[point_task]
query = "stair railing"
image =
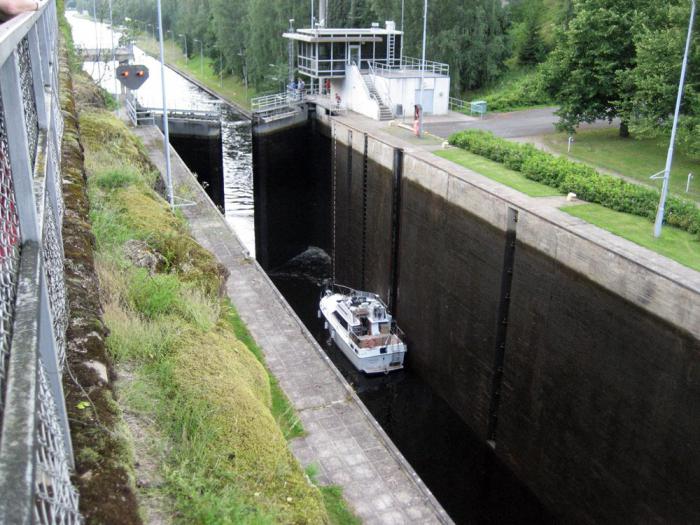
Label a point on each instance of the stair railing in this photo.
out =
(384, 99)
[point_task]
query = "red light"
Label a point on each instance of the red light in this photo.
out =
(125, 73)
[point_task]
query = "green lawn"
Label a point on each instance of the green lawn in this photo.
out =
(675, 244)
(497, 172)
(232, 88)
(633, 158)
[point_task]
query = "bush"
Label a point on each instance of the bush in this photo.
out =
(568, 176)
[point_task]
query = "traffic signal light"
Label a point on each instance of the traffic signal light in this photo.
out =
(132, 77)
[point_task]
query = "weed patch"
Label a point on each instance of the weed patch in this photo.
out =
(198, 374)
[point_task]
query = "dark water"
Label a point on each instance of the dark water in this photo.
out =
(235, 193)
(462, 472)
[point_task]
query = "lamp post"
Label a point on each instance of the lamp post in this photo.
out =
(201, 57)
(245, 71)
(187, 58)
(402, 33)
(221, 66)
(172, 33)
(669, 158)
(166, 130)
(114, 57)
(153, 29)
(422, 67)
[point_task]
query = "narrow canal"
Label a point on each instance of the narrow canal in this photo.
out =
(236, 164)
(462, 472)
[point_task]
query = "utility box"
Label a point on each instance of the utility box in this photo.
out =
(478, 107)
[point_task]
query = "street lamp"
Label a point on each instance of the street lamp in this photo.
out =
(154, 30)
(201, 57)
(166, 130)
(172, 34)
(114, 58)
(422, 67)
(669, 158)
(221, 67)
(403, 34)
(245, 71)
(187, 58)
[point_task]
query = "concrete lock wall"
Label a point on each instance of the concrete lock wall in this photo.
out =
(574, 352)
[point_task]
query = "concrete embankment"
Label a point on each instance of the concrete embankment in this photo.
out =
(343, 439)
(574, 352)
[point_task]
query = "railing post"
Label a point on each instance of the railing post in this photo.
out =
(49, 356)
(39, 82)
(44, 46)
(17, 142)
(17, 446)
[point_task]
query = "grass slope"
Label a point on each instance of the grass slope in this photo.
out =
(634, 158)
(197, 373)
(498, 172)
(673, 243)
(230, 87)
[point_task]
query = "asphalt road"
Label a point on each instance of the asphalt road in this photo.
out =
(516, 124)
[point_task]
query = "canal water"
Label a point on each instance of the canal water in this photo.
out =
(236, 164)
(462, 472)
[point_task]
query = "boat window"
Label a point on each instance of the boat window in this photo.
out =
(340, 319)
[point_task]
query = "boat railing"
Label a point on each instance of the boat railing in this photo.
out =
(359, 336)
(346, 290)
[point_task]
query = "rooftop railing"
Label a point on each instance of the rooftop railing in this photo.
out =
(412, 64)
(36, 456)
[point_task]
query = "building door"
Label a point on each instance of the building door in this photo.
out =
(427, 100)
(354, 55)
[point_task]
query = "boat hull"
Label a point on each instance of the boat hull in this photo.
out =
(381, 360)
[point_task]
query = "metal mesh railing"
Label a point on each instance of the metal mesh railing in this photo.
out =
(36, 456)
(28, 98)
(9, 255)
(53, 263)
(56, 501)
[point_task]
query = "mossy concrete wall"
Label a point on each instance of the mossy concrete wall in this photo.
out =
(594, 405)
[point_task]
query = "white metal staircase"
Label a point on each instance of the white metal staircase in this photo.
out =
(385, 112)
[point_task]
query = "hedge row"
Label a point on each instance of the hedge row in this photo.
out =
(584, 181)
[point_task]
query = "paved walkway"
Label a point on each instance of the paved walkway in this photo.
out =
(513, 124)
(343, 440)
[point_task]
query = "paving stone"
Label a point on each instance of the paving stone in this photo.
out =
(341, 438)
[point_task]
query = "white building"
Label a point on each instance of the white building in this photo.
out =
(363, 70)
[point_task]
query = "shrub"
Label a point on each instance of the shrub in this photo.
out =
(568, 176)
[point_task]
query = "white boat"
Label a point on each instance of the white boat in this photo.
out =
(363, 329)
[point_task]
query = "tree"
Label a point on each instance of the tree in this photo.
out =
(587, 73)
(660, 42)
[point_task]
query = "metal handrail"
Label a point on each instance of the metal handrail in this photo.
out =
(385, 97)
(415, 64)
(35, 447)
(365, 88)
(458, 104)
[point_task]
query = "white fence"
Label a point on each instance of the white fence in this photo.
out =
(35, 449)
